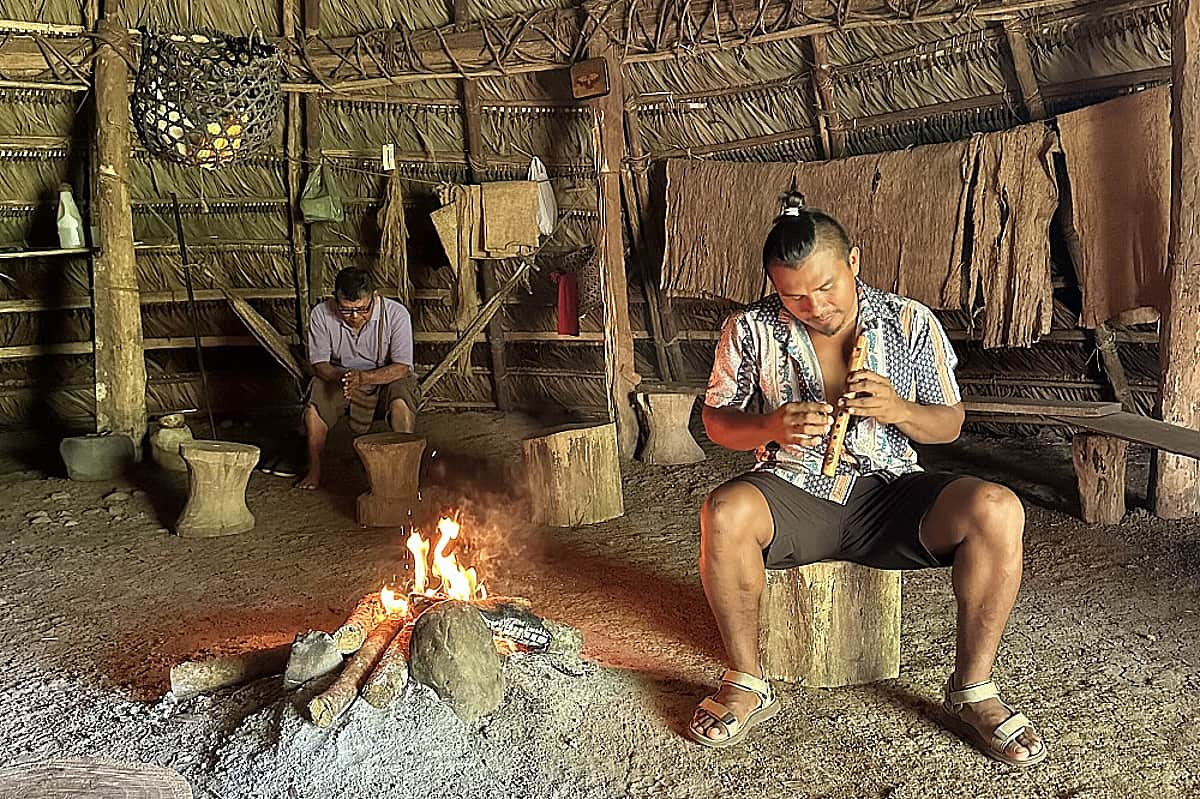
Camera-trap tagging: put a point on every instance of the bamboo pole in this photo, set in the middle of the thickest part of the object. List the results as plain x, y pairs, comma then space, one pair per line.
829, 120
1021, 64
117, 316
312, 157
477, 162
610, 248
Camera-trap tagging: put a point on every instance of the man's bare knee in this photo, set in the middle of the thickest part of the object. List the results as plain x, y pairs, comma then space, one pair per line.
736, 514
997, 515
312, 418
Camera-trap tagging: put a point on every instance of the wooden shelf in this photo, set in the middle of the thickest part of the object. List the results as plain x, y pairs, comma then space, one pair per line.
6, 256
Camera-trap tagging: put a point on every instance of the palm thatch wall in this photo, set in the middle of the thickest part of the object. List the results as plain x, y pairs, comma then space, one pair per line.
751, 98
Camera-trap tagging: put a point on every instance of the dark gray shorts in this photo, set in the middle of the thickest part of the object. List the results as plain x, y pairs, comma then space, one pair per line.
879, 526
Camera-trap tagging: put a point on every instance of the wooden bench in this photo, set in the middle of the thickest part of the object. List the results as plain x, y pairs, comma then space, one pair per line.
1099, 455
665, 411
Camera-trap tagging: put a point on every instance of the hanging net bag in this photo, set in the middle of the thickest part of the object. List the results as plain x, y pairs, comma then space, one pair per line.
206, 99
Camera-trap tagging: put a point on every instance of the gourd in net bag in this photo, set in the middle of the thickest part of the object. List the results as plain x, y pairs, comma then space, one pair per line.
205, 98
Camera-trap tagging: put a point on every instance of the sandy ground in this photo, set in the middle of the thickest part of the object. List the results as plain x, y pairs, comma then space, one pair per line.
99, 600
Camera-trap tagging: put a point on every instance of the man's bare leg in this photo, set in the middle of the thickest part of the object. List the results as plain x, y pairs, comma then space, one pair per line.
401, 418
735, 527
982, 523
317, 432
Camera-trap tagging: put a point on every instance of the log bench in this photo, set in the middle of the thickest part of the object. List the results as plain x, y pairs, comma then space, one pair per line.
1099, 454
664, 412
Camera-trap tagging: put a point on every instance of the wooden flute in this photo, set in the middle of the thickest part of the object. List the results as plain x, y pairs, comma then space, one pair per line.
841, 421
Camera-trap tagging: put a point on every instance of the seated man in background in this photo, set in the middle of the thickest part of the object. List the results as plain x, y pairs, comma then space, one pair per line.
361, 348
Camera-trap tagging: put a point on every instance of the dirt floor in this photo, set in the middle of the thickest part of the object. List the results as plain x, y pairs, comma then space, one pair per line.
99, 600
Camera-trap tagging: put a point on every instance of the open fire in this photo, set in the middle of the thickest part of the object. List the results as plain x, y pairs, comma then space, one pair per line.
442, 630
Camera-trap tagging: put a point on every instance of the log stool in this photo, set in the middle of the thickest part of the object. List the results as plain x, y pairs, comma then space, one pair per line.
393, 464
574, 476
830, 624
217, 475
1100, 471
666, 411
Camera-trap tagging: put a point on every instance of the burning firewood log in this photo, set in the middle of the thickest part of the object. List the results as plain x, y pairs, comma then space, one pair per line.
197, 677
390, 675
350, 636
329, 705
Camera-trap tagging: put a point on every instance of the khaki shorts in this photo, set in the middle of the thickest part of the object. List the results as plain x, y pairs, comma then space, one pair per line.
332, 404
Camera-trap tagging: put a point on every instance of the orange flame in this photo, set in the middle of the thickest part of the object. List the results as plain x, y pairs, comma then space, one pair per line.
455, 582
394, 604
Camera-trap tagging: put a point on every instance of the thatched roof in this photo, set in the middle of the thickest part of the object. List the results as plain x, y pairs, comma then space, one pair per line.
726, 80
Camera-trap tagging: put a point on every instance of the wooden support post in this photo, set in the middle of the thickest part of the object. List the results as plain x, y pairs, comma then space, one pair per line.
477, 162
1021, 65
830, 624
1106, 342
1100, 470
117, 313
574, 476
293, 153
1176, 480
647, 246
610, 247
312, 158
829, 119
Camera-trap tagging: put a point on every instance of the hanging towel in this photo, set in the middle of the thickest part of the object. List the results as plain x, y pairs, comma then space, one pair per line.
568, 302
547, 209
509, 214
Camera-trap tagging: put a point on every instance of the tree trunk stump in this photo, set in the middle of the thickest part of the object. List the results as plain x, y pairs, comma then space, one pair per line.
1100, 472
393, 464
217, 475
665, 417
574, 476
830, 624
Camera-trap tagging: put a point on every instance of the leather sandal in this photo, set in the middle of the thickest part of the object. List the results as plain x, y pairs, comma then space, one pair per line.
735, 731
996, 745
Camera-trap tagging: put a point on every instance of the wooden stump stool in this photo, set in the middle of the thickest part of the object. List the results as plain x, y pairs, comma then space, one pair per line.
665, 413
393, 464
217, 475
830, 624
574, 476
1100, 472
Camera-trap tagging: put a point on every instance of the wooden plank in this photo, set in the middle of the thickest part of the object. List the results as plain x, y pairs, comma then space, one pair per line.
1047, 407
1174, 480
1143, 430
117, 315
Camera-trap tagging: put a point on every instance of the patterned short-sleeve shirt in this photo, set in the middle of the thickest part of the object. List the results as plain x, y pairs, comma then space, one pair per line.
764, 351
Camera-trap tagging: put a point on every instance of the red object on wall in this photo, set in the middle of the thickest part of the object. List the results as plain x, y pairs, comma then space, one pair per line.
568, 302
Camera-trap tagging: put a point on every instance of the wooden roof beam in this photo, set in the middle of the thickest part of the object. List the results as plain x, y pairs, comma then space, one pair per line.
1020, 66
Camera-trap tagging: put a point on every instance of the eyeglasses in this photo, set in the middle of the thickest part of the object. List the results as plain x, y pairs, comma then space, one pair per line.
356, 310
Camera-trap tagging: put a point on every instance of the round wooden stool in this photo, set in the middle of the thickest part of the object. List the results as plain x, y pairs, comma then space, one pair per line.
666, 412
393, 464
217, 475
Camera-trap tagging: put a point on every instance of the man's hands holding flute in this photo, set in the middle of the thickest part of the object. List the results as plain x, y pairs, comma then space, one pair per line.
800, 423
871, 394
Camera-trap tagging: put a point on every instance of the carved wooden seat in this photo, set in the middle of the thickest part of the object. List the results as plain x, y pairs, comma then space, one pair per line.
393, 464
665, 412
217, 475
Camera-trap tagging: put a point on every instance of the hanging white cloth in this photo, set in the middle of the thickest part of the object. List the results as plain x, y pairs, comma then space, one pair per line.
547, 208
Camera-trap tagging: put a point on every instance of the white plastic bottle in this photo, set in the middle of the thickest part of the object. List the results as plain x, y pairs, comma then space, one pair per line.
70, 223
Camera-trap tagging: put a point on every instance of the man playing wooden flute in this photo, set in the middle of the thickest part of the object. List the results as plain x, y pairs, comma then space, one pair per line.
791, 350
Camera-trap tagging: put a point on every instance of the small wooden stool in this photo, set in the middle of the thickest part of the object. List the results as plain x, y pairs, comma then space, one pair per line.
217, 475
574, 476
830, 624
666, 411
393, 464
